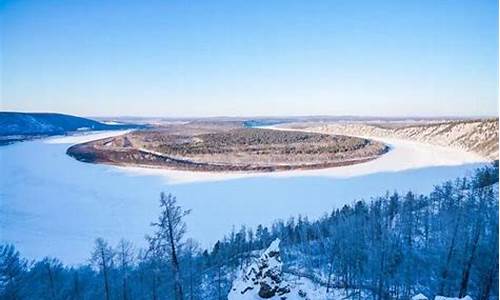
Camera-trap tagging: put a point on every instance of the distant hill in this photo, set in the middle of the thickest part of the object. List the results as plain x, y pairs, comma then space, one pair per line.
19, 126
479, 136
263, 122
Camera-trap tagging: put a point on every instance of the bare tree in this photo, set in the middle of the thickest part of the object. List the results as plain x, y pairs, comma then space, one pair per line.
125, 257
102, 257
51, 267
170, 230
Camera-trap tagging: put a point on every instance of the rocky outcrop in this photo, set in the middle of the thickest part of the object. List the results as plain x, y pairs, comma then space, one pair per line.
263, 279
266, 279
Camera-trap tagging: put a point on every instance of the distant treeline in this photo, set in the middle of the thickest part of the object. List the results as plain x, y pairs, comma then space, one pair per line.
393, 246
264, 122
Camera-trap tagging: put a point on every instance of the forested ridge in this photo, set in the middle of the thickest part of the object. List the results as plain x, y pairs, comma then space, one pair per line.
389, 247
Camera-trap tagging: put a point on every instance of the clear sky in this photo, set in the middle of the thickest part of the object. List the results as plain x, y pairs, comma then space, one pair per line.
243, 58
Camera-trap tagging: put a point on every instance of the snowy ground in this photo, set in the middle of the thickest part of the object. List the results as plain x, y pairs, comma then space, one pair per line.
404, 155
51, 204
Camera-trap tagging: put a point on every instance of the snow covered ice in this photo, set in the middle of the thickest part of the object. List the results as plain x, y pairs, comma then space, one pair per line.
53, 205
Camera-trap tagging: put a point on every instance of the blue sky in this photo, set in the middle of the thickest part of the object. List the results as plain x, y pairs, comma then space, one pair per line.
244, 58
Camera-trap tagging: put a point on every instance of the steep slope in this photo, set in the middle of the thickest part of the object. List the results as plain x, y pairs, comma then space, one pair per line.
478, 136
15, 123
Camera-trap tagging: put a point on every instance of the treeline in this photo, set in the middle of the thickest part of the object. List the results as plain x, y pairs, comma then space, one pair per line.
391, 247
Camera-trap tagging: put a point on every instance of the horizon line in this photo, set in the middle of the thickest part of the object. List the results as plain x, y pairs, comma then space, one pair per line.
317, 116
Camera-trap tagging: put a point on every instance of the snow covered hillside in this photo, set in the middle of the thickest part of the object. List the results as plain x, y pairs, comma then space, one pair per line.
16, 126
265, 279
478, 136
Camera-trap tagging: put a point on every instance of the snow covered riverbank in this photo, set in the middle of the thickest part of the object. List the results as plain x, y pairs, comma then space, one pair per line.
404, 155
51, 204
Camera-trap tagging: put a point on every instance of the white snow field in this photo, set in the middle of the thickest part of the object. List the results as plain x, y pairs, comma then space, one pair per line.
53, 205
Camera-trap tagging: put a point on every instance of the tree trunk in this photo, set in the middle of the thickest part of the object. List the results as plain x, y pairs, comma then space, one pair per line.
76, 287
105, 274
466, 272
155, 294
485, 294
175, 261
124, 287
191, 297
451, 249
219, 296
330, 271
51, 282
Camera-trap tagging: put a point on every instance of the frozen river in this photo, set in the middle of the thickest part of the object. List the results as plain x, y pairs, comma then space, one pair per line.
53, 205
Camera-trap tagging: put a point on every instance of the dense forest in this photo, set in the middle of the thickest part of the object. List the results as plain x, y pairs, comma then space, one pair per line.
391, 246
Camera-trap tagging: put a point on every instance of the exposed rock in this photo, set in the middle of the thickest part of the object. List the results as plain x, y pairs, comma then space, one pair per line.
302, 294
419, 297
263, 279
266, 291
